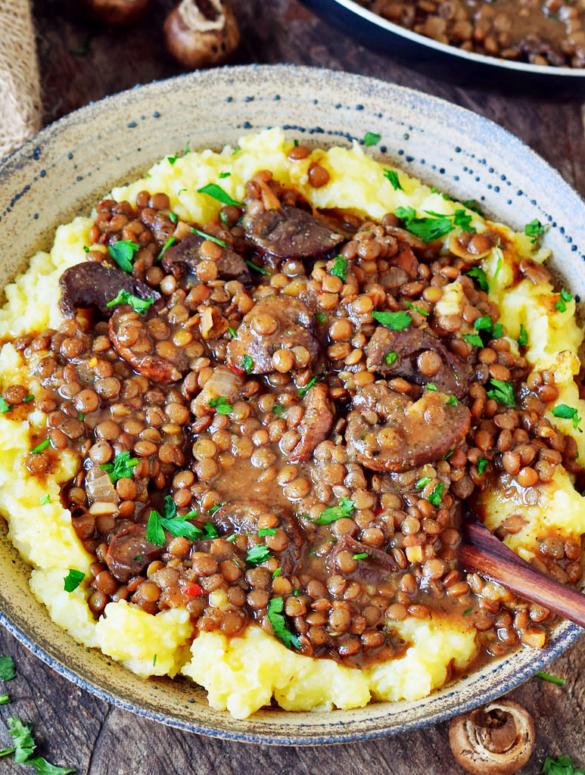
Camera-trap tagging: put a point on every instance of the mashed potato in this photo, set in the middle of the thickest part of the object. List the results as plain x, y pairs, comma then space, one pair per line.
244, 673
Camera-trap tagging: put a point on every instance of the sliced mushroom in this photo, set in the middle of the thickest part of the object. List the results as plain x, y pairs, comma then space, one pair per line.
92, 285
315, 425
535, 272
497, 739
129, 553
202, 33
276, 323
115, 13
452, 375
290, 232
390, 432
373, 569
184, 257
471, 246
133, 342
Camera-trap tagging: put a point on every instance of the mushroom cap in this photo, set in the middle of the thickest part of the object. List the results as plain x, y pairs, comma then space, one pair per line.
115, 13
198, 42
497, 739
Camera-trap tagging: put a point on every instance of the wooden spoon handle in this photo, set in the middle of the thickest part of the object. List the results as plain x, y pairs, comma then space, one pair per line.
483, 553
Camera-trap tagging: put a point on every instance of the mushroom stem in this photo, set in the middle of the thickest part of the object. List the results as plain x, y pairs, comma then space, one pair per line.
201, 33
194, 19
497, 739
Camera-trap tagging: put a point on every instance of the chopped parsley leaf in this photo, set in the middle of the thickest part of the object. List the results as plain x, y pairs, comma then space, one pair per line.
308, 386
278, 622
392, 176
463, 220
176, 525
523, 338
121, 468
123, 253
437, 495
422, 482
448, 455
213, 509
209, 237
45, 499
154, 660
172, 159
85, 249
73, 579
258, 554
173, 217
28, 399
427, 229
565, 412
473, 339
480, 277
137, 304
483, 323
231, 538
4, 699
7, 668
267, 531
500, 261
371, 138
552, 678
390, 357
481, 465
561, 305
467, 611
361, 556
40, 447
257, 268
562, 765
279, 410
452, 401
397, 321
534, 229
345, 508
417, 309
247, 364
24, 748
472, 204
217, 192
232, 331
165, 247
276, 573
502, 392
339, 268
223, 175
4, 407
220, 404
321, 317
431, 386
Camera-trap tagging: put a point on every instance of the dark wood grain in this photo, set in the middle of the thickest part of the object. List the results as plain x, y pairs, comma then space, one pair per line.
80, 63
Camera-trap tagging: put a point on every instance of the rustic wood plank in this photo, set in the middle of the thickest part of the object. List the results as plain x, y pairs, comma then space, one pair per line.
71, 726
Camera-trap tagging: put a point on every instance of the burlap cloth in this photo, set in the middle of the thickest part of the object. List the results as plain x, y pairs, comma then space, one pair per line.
20, 97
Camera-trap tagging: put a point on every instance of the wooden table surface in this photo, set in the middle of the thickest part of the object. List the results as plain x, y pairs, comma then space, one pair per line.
80, 63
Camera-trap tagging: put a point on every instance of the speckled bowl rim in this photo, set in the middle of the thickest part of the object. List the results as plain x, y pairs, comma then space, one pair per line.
566, 633
444, 48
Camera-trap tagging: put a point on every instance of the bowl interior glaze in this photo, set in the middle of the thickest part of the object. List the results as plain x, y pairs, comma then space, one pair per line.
70, 164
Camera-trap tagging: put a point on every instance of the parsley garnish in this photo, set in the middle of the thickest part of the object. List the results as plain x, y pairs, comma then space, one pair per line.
567, 413
321, 317
371, 138
481, 465
484, 323
4, 407
121, 468
154, 530
279, 410
172, 159
173, 217
209, 237
473, 339
390, 357
232, 331
267, 531
427, 229
4, 699
361, 556
24, 746
551, 678
308, 386
467, 611
247, 364
85, 249
562, 765
561, 305
463, 220
397, 321
154, 660
422, 482
40, 447
345, 508
417, 309
339, 268
278, 622
534, 229
7, 669
213, 509
123, 253
431, 386
452, 401
217, 192
500, 257
73, 579
223, 175
231, 538
437, 495
276, 573
176, 525
45, 499
258, 554
480, 277
392, 176
472, 204
137, 304
165, 247
502, 392
257, 268
523, 338
220, 404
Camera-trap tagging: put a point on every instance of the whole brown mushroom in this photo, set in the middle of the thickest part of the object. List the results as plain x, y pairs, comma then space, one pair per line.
201, 33
497, 739
115, 13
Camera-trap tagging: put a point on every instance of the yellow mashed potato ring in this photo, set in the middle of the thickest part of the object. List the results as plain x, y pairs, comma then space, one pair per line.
244, 673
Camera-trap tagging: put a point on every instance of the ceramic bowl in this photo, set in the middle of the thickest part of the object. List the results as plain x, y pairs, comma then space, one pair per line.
69, 165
